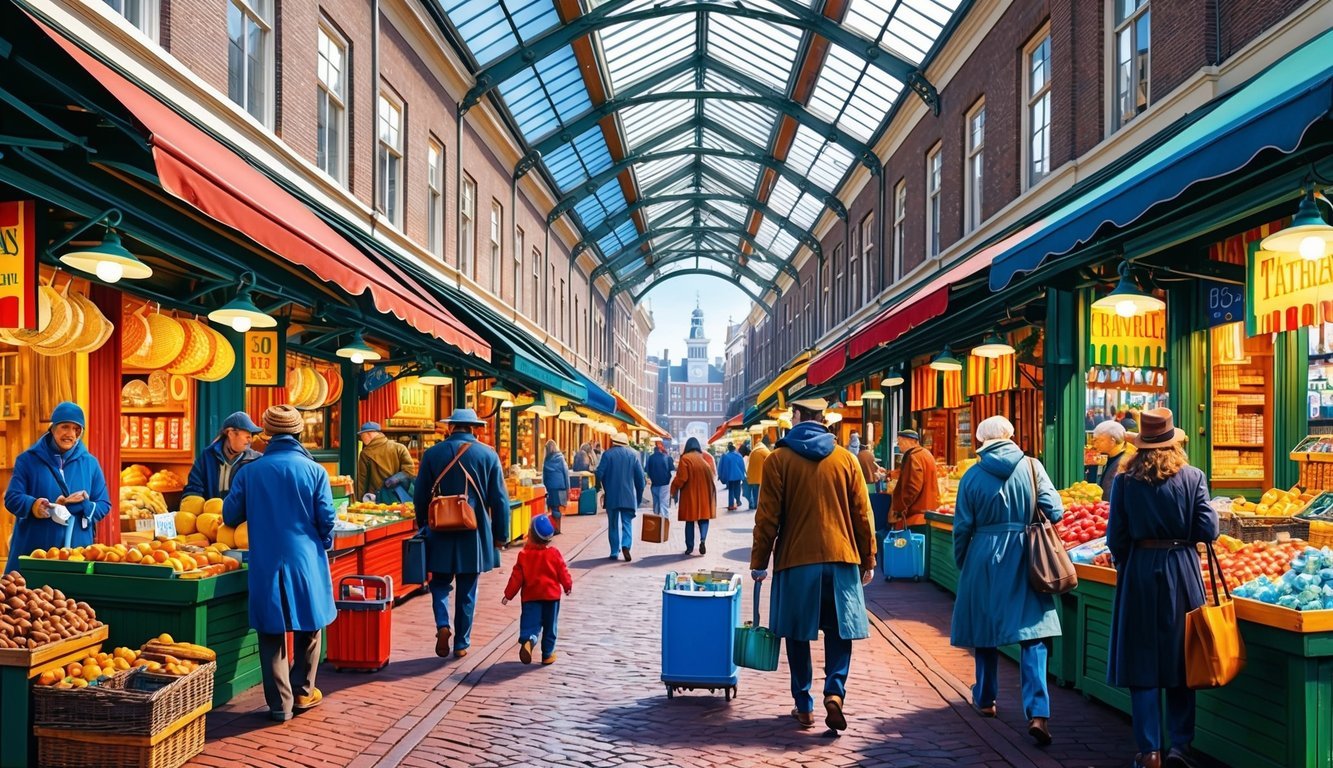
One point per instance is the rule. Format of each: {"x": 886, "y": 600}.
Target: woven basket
{"x": 53, "y": 318}
{"x": 62, "y": 343}
{"x": 320, "y": 391}
{"x": 224, "y": 359}
{"x": 92, "y": 331}
{"x": 197, "y": 352}
{"x": 134, "y": 703}
{"x": 168, "y": 341}
{"x": 1250, "y": 529}
{"x": 79, "y": 749}
{"x": 335, "y": 379}
{"x": 136, "y": 337}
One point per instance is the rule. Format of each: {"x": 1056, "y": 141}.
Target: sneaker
{"x": 548, "y": 660}
{"x": 703, "y": 547}
{"x": 315, "y": 698}
{"x": 805, "y": 719}
{"x": 625, "y": 551}
{"x": 525, "y": 652}
{"x": 442, "y": 636}
{"x": 834, "y": 719}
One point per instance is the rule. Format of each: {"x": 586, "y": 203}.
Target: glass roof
{"x": 705, "y": 96}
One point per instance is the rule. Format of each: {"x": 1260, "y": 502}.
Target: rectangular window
{"x": 250, "y": 56}
{"x": 141, "y": 13}
{"x": 868, "y": 262}
{"x": 899, "y": 227}
{"x": 468, "y": 225}
{"x": 331, "y": 117}
{"x": 826, "y": 301}
{"x": 934, "y": 169}
{"x": 1037, "y": 116}
{"x": 976, "y": 143}
{"x": 1132, "y": 36}
{"x": 389, "y": 197}
{"x": 497, "y": 227}
{"x": 435, "y": 197}
{"x": 564, "y": 329}
{"x": 519, "y": 250}
{"x": 536, "y": 283}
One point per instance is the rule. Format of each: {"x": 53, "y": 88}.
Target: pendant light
{"x": 241, "y": 314}
{"x": 498, "y": 392}
{"x": 358, "y": 351}
{"x": 109, "y": 260}
{"x": 894, "y": 378}
{"x": 993, "y": 346}
{"x": 872, "y": 394}
{"x": 434, "y": 377}
{"x": 1128, "y": 300}
{"x": 1308, "y": 234}
{"x": 945, "y": 361}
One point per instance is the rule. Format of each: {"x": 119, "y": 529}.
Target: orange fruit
{"x": 165, "y": 638}
{"x": 53, "y": 554}
{"x": 78, "y": 682}
{"x": 40, "y": 554}
{"x": 159, "y": 556}
{"x": 74, "y": 670}
{"x": 121, "y": 664}
{"x": 134, "y": 556}
{"x": 48, "y": 677}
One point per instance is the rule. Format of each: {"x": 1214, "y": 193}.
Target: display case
{"x": 1242, "y": 419}
{"x": 1319, "y": 398}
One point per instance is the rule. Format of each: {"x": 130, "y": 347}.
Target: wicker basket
{"x": 1321, "y": 533}
{"x": 139, "y": 703}
{"x": 1249, "y": 529}
{"x": 77, "y": 749}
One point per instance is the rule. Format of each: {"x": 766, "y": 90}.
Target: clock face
{"x": 696, "y": 371}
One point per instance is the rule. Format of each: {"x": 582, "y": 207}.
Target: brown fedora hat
{"x": 1157, "y": 429}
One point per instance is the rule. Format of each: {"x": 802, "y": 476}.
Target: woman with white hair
{"x": 996, "y": 606}
{"x": 1108, "y": 438}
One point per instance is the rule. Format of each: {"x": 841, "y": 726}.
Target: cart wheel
{"x": 916, "y": 579}
{"x": 671, "y": 692}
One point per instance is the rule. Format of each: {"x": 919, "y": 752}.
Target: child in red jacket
{"x": 541, "y": 573}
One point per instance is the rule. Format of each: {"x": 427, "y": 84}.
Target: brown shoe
{"x": 442, "y": 636}
{"x": 1150, "y": 760}
{"x": 525, "y": 652}
{"x": 548, "y": 660}
{"x": 986, "y": 711}
{"x": 834, "y": 719}
{"x": 805, "y": 719}
{"x": 1037, "y": 729}
{"x": 460, "y": 653}
{"x": 625, "y": 551}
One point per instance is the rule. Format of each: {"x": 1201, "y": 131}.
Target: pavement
{"x": 602, "y": 703}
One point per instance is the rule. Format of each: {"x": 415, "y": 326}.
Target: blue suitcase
{"x": 904, "y": 555}
{"x": 588, "y": 502}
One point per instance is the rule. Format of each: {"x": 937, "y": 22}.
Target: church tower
{"x": 697, "y": 346}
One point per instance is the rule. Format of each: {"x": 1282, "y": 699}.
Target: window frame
{"x": 149, "y": 23}
{"x": 899, "y": 227}
{"x": 520, "y": 246}
{"x": 435, "y": 215}
{"x": 467, "y": 227}
{"x": 1031, "y": 177}
{"x": 1128, "y": 26}
{"x": 867, "y": 253}
{"x": 497, "y": 245}
{"x": 934, "y": 200}
{"x": 536, "y": 284}
{"x": 389, "y": 155}
{"x": 336, "y": 39}
{"x": 974, "y": 167}
{"x": 262, "y": 13}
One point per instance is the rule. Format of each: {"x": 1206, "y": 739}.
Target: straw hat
{"x": 136, "y": 337}
{"x": 53, "y": 318}
{"x": 96, "y": 328}
{"x": 224, "y": 357}
{"x": 335, "y": 379}
{"x": 168, "y": 341}
{"x": 319, "y": 391}
{"x": 197, "y": 351}
{"x": 83, "y": 329}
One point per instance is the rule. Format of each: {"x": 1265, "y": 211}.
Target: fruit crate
{"x": 15, "y": 686}
{"x": 173, "y": 747}
{"x": 1250, "y": 529}
{"x": 940, "y": 567}
{"x": 133, "y": 703}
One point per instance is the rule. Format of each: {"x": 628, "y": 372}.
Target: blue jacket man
{"x": 57, "y": 469}
{"x": 660, "y": 469}
{"x": 461, "y": 556}
{"x": 621, "y": 478}
{"x": 211, "y": 475}
{"x": 731, "y": 471}
{"x": 285, "y": 501}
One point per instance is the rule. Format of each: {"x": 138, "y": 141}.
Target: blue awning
{"x": 598, "y": 399}
{"x": 1271, "y": 111}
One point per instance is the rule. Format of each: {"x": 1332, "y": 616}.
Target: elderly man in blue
{"x": 57, "y": 471}
{"x": 620, "y": 476}
{"x": 459, "y": 557}
{"x": 285, "y": 500}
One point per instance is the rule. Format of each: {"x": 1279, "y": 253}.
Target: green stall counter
{"x": 1096, "y": 595}
{"x": 940, "y": 567}
{"x": 16, "y": 675}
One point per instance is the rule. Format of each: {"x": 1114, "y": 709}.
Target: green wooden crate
{"x": 940, "y": 567}
{"x": 1094, "y": 627}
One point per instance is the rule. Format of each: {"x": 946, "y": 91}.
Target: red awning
{"x": 725, "y": 427}
{"x": 198, "y": 169}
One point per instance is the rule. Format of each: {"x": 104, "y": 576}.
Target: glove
{"x": 759, "y": 575}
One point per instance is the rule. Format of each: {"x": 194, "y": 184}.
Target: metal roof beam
{"x": 739, "y": 199}
{"x": 638, "y": 275}
{"x": 637, "y": 297}
{"x": 631, "y": 251}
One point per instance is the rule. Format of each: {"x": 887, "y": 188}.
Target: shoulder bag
{"x": 1214, "y": 651}
{"x": 454, "y": 512}
{"x": 1050, "y": 571}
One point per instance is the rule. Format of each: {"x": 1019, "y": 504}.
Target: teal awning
{"x": 598, "y": 399}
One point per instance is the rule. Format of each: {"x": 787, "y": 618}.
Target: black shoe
{"x": 279, "y": 717}
{"x": 625, "y": 551}
{"x": 1179, "y": 758}
{"x": 703, "y": 547}
{"x": 689, "y": 551}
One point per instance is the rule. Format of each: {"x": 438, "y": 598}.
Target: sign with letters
{"x": 414, "y": 399}
{"x": 164, "y": 524}
{"x": 1223, "y": 302}
{"x": 18, "y": 265}
{"x": 1128, "y": 342}
{"x": 265, "y": 358}
{"x": 1285, "y": 291}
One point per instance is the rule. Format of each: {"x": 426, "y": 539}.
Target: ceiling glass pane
{"x": 492, "y": 28}
{"x": 756, "y": 48}
{"x": 644, "y": 121}
{"x": 608, "y": 200}
{"x": 543, "y": 95}
{"x": 587, "y": 155}
{"x": 752, "y": 122}
{"x": 651, "y": 172}
{"x": 640, "y": 49}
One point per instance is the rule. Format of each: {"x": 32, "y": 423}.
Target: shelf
{"x": 1258, "y": 391}
{"x": 157, "y": 455}
{"x": 1255, "y": 446}
{"x": 180, "y": 411}
{"x": 1324, "y": 356}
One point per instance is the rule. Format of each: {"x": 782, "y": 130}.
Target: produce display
{"x": 1306, "y": 585}
{"x": 1242, "y": 562}
{"x": 1274, "y": 503}
{"x": 139, "y": 502}
{"x": 192, "y": 558}
{"x": 1083, "y": 522}
{"x": 162, "y": 481}
{"x": 203, "y": 517}
{"x": 31, "y": 618}
{"x": 161, "y": 655}
{"x": 370, "y": 514}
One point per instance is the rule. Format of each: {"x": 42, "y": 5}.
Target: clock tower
{"x": 696, "y": 343}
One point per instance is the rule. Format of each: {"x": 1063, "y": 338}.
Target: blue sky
{"x": 673, "y": 301}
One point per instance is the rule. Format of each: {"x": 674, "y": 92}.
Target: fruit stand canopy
{"x": 643, "y": 422}
{"x": 692, "y": 137}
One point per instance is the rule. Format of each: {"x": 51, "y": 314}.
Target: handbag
{"x": 756, "y": 647}
{"x": 656, "y": 528}
{"x": 1214, "y": 651}
{"x": 453, "y": 512}
{"x": 415, "y": 570}
{"x": 1050, "y": 571}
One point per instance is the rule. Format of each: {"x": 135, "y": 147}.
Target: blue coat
{"x": 464, "y": 551}
{"x": 620, "y": 476}
{"x": 203, "y": 480}
{"x": 581, "y": 463}
{"x": 660, "y": 468}
{"x": 35, "y": 478}
{"x": 285, "y": 500}
{"x": 1155, "y": 588}
{"x": 995, "y": 604}
{"x": 731, "y": 467}
{"x": 555, "y": 477}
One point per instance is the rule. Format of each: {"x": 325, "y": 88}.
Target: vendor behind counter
{"x": 212, "y": 473}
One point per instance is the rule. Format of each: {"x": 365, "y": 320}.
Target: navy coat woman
{"x": 45, "y": 474}
{"x": 555, "y": 478}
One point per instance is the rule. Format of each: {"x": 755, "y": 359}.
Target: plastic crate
{"x": 698, "y": 636}
{"x": 361, "y": 636}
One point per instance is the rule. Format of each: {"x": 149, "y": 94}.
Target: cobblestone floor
{"x": 602, "y": 703}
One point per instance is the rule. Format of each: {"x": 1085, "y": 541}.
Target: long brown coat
{"x": 695, "y": 484}
{"x": 918, "y": 490}
{"x": 812, "y": 512}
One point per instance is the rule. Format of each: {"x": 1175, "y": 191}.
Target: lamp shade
{"x": 358, "y": 351}
{"x": 1309, "y": 235}
{"x": 569, "y": 415}
{"x": 1128, "y": 300}
{"x": 893, "y": 378}
{"x": 498, "y": 392}
{"x": 993, "y": 346}
{"x": 434, "y": 377}
{"x": 854, "y": 403}
{"x": 109, "y": 260}
{"x": 945, "y": 361}
{"x": 872, "y": 394}
{"x": 241, "y": 315}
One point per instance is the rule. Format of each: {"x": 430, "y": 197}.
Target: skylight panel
{"x": 783, "y": 197}
{"x": 681, "y": 140}
{"x": 645, "y": 121}
{"x": 804, "y": 151}
{"x": 716, "y": 185}
{"x": 640, "y": 49}
{"x": 483, "y": 26}
{"x": 681, "y": 82}
{"x": 733, "y": 213}
{"x": 653, "y": 172}
{"x": 749, "y": 121}
{"x": 545, "y": 93}
{"x": 756, "y": 48}
{"x": 618, "y": 238}
{"x": 853, "y": 94}
{"x": 607, "y": 201}
{"x": 713, "y": 140}
{"x": 716, "y": 81}
{"x": 806, "y": 211}
{"x": 830, "y": 166}
{"x": 586, "y": 156}
{"x": 741, "y": 173}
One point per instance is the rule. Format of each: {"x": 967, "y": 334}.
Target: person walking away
{"x": 814, "y": 521}
{"x": 871, "y": 471}
{"x": 210, "y": 477}
{"x": 1159, "y": 511}
{"x": 918, "y": 488}
{"x": 620, "y": 476}
{"x": 731, "y": 471}
{"x": 660, "y": 469}
{"x": 540, "y": 573}
{"x": 555, "y": 478}
{"x": 996, "y": 605}
{"x": 57, "y": 493}
{"x": 285, "y": 502}
{"x": 458, "y": 558}
{"x": 696, "y": 493}
{"x": 385, "y": 469}
{"x": 1108, "y": 438}
{"x": 754, "y": 472}
{"x": 583, "y": 458}
{"x": 854, "y": 443}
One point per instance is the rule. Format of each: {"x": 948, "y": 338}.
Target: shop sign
{"x": 18, "y": 265}
{"x": 1223, "y": 302}
{"x": 1285, "y": 291}
{"x": 414, "y": 399}
{"x": 1134, "y": 342}
{"x": 265, "y": 358}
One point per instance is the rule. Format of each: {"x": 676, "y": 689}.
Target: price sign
{"x": 164, "y": 524}
{"x": 265, "y": 357}
{"x": 1224, "y": 303}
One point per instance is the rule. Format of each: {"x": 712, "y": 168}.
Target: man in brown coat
{"x": 814, "y": 521}
{"x": 918, "y": 488}
{"x": 383, "y": 462}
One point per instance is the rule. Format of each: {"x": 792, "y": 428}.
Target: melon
{"x": 208, "y": 524}
{"x": 186, "y": 523}
{"x": 192, "y": 504}
{"x": 227, "y": 536}
{"x": 242, "y": 536}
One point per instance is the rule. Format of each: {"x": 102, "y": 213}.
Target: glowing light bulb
{"x": 111, "y": 271}
{"x": 1311, "y": 248}
{"x": 506, "y": 403}
{"x": 1126, "y": 308}
{"x": 241, "y": 324}
{"x": 358, "y": 358}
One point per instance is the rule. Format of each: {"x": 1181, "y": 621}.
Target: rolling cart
{"x": 698, "y": 636}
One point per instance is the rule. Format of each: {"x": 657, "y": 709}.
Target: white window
{"x": 1132, "y": 22}
{"x": 839, "y": 297}
{"x": 250, "y": 56}
{"x": 536, "y": 283}
{"x": 972, "y": 180}
{"x": 899, "y": 227}
{"x": 497, "y": 226}
{"x": 934, "y": 170}
{"x": 826, "y": 301}
{"x": 468, "y": 228}
{"x": 518, "y": 267}
{"x": 142, "y": 14}
{"x": 870, "y": 265}
{"x": 389, "y": 196}
{"x": 331, "y": 120}
{"x": 435, "y": 197}
{"x": 1037, "y": 116}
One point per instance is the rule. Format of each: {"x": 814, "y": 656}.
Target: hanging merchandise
{"x": 224, "y": 357}
{"x": 167, "y": 339}
{"x": 197, "y": 351}
{"x": 53, "y": 320}
{"x": 136, "y": 336}
{"x": 1137, "y": 341}
{"x": 335, "y": 379}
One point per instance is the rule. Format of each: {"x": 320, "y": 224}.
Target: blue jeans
{"x": 734, "y": 493}
{"x": 620, "y": 529}
{"x": 1146, "y": 704}
{"x": 689, "y": 533}
{"x": 1032, "y": 671}
{"x": 837, "y": 655}
{"x": 752, "y": 494}
{"x": 661, "y": 494}
{"x": 441, "y": 584}
{"x": 539, "y": 616}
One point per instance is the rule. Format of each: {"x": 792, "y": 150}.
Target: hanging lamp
{"x": 1308, "y": 234}
{"x": 945, "y": 361}
{"x": 109, "y": 259}
{"x": 498, "y": 392}
{"x": 241, "y": 314}
{"x": 434, "y": 377}
{"x": 358, "y": 351}
{"x": 894, "y": 378}
{"x": 1128, "y": 300}
{"x": 872, "y": 394}
{"x": 993, "y": 346}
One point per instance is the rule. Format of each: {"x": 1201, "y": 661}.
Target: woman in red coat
{"x": 695, "y": 489}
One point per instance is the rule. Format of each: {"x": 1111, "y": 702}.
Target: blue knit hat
{"x": 542, "y": 528}
{"x": 67, "y": 412}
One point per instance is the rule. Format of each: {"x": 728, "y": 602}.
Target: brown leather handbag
{"x": 454, "y": 512}
{"x": 1050, "y": 571}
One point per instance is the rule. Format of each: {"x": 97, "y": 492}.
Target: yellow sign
{"x": 18, "y": 265}
{"x": 1130, "y": 342}
{"x": 264, "y": 359}
{"x": 414, "y": 399}
{"x": 1286, "y": 291}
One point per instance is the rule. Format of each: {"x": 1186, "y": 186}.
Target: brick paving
{"x": 602, "y": 702}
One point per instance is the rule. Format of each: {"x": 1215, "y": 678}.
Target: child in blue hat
{"x": 541, "y": 573}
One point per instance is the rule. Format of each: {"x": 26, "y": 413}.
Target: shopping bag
{"x": 415, "y": 568}
{"x": 1214, "y": 651}
{"x": 1050, "y": 571}
{"x": 756, "y": 647}
{"x": 656, "y": 528}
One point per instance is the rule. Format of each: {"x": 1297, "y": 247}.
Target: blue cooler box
{"x": 698, "y": 638}
{"x": 588, "y": 502}
{"x": 904, "y": 555}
